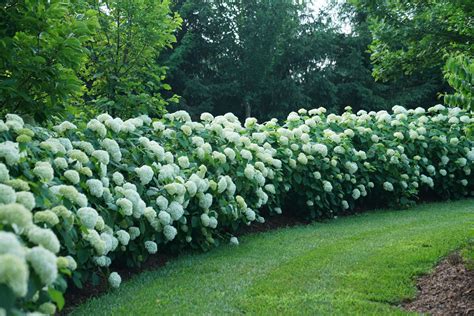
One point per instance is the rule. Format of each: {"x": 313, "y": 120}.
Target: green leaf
{"x": 57, "y": 297}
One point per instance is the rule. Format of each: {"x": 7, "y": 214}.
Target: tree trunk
{"x": 248, "y": 109}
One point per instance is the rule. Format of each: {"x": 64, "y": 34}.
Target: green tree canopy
{"x": 41, "y": 52}
{"x": 122, "y": 75}
{"x": 414, "y": 37}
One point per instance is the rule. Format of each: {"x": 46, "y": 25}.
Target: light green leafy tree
{"x": 122, "y": 75}
{"x": 41, "y": 52}
{"x": 411, "y": 37}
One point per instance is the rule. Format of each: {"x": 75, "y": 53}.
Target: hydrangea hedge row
{"x": 79, "y": 196}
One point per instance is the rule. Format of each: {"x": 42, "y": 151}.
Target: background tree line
{"x": 259, "y": 58}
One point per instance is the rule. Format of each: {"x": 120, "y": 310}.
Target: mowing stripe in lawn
{"x": 363, "y": 264}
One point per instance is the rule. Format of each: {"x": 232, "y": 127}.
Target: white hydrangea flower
{"x": 53, "y": 145}
{"x": 327, "y": 186}
{"x": 388, "y": 186}
{"x": 7, "y": 194}
{"x": 164, "y": 217}
{"x": 44, "y": 264}
{"x": 64, "y": 126}
{"x": 95, "y": 240}
{"x": 15, "y": 214}
{"x": 118, "y": 178}
{"x": 47, "y": 216}
{"x": 97, "y": 127}
{"x": 102, "y": 156}
{"x": 187, "y": 130}
{"x": 134, "y": 232}
{"x": 176, "y": 210}
{"x": 96, "y": 188}
{"x": 461, "y": 161}
{"x": 88, "y": 216}
{"x": 170, "y": 232}
{"x": 76, "y": 154}
{"x": 44, "y": 171}
{"x": 205, "y": 201}
{"x": 151, "y": 247}
{"x": 191, "y": 187}
{"x": 250, "y": 215}
{"x": 71, "y": 193}
{"x": 208, "y": 117}
{"x": 183, "y": 162}
{"x": 158, "y": 126}
{"x": 27, "y": 199}
{"x": 102, "y": 261}
{"x": 320, "y": 149}
{"x": 234, "y": 241}
{"x": 205, "y": 220}
{"x": 470, "y": 154}
{"x": 123, "y": 237}
{"x": 60, "y": 163}
{"x": 72, "y": 176}
{"x": 112, "y": 147}
{"x": 14, "y": 273}
{"x": 351, "y": 167}
{"x": 345, "y": 204}
{"x": 212, "y": 222}
{"x": 4, "y": 173}
{"x": 126, "y": 206}
{"x": 230, "y": 153}
{"x": 14, "y": 121}
{"x": 356, "y": 194}
{"x": 44, "y": 237}
{"x": 115, "y": 280}
{"x": 175, "y": 189}
{"x": 145, "y": 173}
{"x": 249, "y": 172}
{"x": 302, "y": 159}
{"x": 246, "y": 154}
{"x": 115, "y": 124}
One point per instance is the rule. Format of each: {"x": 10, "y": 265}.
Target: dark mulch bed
{"x": 449, "y": 290}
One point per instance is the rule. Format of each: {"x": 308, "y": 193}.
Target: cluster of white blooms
{"x": 17, "y": 260}
{"x": 145, "y": 173}
{"x": 115, "y": 280}
{"x": 44, "y": 171}
{"x": 124, "y": 188}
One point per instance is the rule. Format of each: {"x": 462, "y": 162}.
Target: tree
{"x": 41, "y": 52}
{"x": 267, "y": 58}
{"x": 122, "y": 74}
{"x": 415, "y": 37}
{"x": 350, "y": 70}
{"x": 234, "y": 56}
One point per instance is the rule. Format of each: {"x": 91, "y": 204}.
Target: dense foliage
{"x": 41, "y": 53}
{"x": 80, "y": 196}
{"x": 122, "y": 75}
{"x": 63, "y": 57}
{"x": 252, "y": 58}
{"x": 267, "y": 58}
{"x": 415, "y": 36}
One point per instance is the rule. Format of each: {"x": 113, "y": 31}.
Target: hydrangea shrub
{"x": 81, "y": 195}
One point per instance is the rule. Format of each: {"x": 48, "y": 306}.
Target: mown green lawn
{"x": 364, "y": 264}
